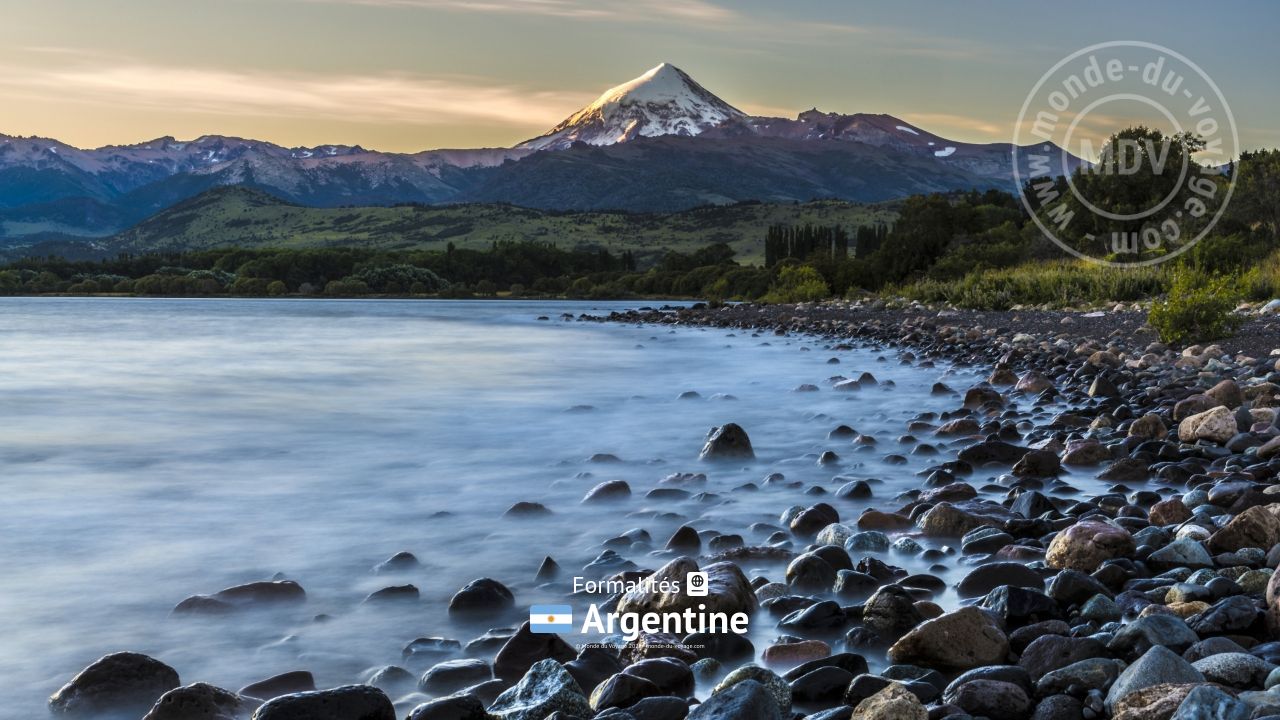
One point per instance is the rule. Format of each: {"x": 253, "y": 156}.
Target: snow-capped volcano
{"x": 663, "y": 101}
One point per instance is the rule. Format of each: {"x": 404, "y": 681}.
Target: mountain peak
{"x": 663, "y": 101}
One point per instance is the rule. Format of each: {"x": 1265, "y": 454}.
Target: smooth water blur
{"x": 156, "y": 449}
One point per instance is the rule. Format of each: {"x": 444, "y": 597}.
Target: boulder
{"x": 746, "y": 700}
{"x": 484, "y": 596}
{"x": 527, "y": 648}
{"x": 1217, "y": 425}
{"x": 894, "y": 702}
{"x": 1157, "y": 666}
{"x": 201, "y": 701}
{"x": 1085, "y": 545}
{"x": 727, "y": 442}
{"x": 774, "y": 686}
{"x": 1256, "y": 527}
{"x": 350, "y": 702}
{"x": 547, "y": 688}
{"x": 125, "y": 682}
{"x": 955, "y": 641}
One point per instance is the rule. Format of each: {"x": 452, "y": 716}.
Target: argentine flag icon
{"x": 550, "y": 618}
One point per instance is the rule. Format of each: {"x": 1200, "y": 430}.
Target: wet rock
{"x": 1033, "y": 383}
{"x": 1018, "y": 606}
{"x": 526, "y": 508}
{"x": 670, "y": 675}
{"x": 294, "y": 681}
{"x": 1058, "y": 707}
{"x": 992, "y": 452}
{"x": 393, "y": 680}
{"x": 744, "y": 700}
{"x": 250, "y": 595}
{"x": 824, "y": 684}
{"x": 1217, "y": 425}
{"x": 727, "y": 442}
{"x": 894, "y": 702}
{"x": 985, "y": 578}
{"x": 979, "y": 395}
{"x": 1051, "y": 652}
{"x": 1256, "y": 527}
{"x": 1236, "y": 614}
{"x": 1085, "y": 545}
{"x": 1206, "y": 702}
{"x": 774, "y": 687}
{"x": 1151, "y": 630}
{"x": 891, "y": 611}
{"x": 545, "y": 689}
{"x": 342, "y": 703}
{"x": 1157, "y": 701}
{"x": 810, "y": 573}
{"x": 684, "y": 539}
{"x": 1038, "y": 464}
{"x": 1226, "y": 393}
{"x": 201, "y": 701}
{"x": 450, "y": 675}
{"x": 955, "y": 641}
{"x": 1235, "y": 669}
{"x": 1157, "y": 666}
{"x": 593, "y": 666}
{"x": 1148, "y": 427}
{"x": 1181, "y": 553}
{"x": 794, "y": 653}
{"x": 993, "y": 699}
{"x": 947, "y": 520}
{"x": 393, "y": 593}
{"x": 482, "y": 597}
{"x": 812, "y": 519}
{"x": 1169, "y": 512}
{"x": 728, "y": 590}
{"x": 1090, "y": 673}
{"x": 1085, "y": 452}
{"x": 622, "y": 691}
{"x": 526, "y": 649}
{"x": 608, "y": 491}
{"x": 725, "y": 647}
{"x": 400, "y": 562}
{"x": 659, "y": 708}
{"x": 453, "y": 707}
{"x": 122, "y": 682}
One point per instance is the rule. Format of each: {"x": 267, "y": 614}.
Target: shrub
{"x": 798, "y": 283}
{"x": 346, "y": 287}
{"x": 276, "y": 288}
{"x": 396, "y": 278}
{"x": 1197, "y": 308}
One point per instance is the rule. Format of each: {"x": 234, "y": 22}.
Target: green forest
{"x": 971, "y": 249}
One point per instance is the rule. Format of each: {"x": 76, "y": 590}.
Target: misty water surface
{"x": 156, "y": 449}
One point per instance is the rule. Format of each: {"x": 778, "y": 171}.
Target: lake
{"x": 157, "y": 449}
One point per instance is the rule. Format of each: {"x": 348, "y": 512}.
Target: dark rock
{"x": 745, "y": 700}
{"x": 547, "y": 688}
{"x": 450, "y": 675}
{"x": 527, "y": 648}
{"x": 122, "y": 682}
{"x": 295, "y": 681}
{"x": 453, "y": 707}
{"x": 482, "y": 597}
{"x": 727, "y": 442}
{"x": 985, "y": 578}
{"x": 200, "y": 702}
{"x": 350, "y": 702}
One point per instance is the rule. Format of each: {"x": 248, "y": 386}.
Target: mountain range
{"x": 658, "y": 143}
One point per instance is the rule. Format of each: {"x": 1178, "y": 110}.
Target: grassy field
{"x": 246, "y": 218}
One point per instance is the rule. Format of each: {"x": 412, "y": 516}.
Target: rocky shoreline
{"x": 1151, "y": 599}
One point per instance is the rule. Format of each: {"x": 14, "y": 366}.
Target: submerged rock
{"x": 727, "y": 442}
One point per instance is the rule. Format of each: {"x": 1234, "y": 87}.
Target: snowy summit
{"x": 663, "y": 101}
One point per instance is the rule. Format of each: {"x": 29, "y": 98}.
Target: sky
{"x": 410, "y": 75}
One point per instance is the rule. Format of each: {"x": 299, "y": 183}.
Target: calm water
{"x": 155, "y": 449}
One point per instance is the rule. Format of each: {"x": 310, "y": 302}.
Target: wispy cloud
{"x": 940, "y": 122}
{"x": 386, "y": 98}
{"x": 629, "y": 10}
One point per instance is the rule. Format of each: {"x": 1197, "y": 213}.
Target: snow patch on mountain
{"x": 663, "y": 101}
{"x": 944, "y": 152}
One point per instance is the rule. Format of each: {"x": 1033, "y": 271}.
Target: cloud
{"x": 940, "y": 122}
{"x": 626, "y": 10}
{"x": 386, "y": 98}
